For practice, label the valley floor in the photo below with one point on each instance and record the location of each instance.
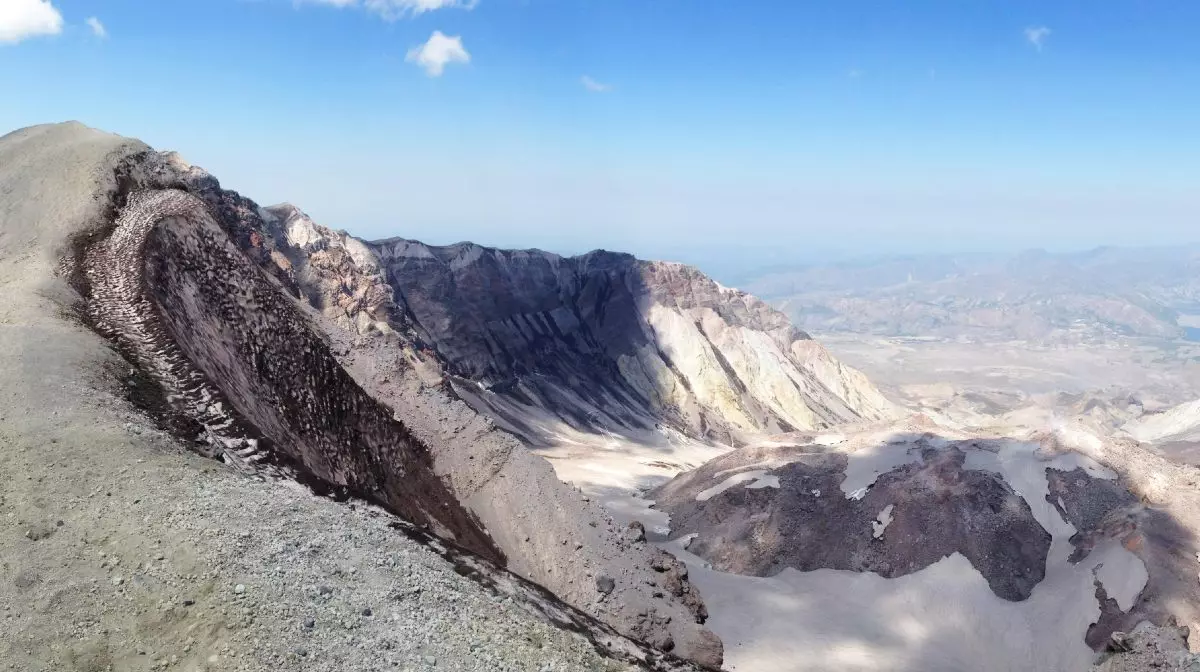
(1006, 374)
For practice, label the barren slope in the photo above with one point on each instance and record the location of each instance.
(219, 355)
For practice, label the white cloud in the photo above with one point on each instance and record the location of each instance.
(392, 9)
(437, 52)
(396, 9)
(97, 27)
(1037, 35)
(594, 86)
(20, 19)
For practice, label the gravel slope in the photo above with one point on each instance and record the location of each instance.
(549, 531)
(121, 550)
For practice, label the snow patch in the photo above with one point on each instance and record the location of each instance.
(881, 522)
(768, 481)
(829, 440)
(1122, 574)
(864, 466)
(759, 479)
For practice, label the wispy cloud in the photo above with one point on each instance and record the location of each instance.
(391, 10)
(21, 19)
(1037, 35)
(97, 28)
(594, 86)
(437, 52)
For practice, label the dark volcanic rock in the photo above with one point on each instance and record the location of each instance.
(675, 581)
(1100, 633)
(635, 532)
(605, 584)
(178, 294)
(1094, 506)
(936, 508)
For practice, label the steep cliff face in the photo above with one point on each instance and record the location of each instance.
(238, 334)
(605, 342)
(549, 532)
(237, 363)
(475, 347)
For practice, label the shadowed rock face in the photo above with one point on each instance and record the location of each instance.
(910, 518)
(1089, 504)
(608, 342)
(599, 342)
(235, 353)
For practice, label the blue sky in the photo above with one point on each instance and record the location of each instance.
(757, 131)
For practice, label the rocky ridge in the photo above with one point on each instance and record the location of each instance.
(601, 343)
(172, 270)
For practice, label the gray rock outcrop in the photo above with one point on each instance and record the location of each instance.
(1150, 647)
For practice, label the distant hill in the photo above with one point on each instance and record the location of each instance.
(1035, 295)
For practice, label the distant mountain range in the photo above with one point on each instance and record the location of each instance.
(1035, 295)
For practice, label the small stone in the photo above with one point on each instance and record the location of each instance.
(367, 612)
(1119, 642)
(309, 624)
(117, 581)
(430, 660)
(239, 589)
(605, 584)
